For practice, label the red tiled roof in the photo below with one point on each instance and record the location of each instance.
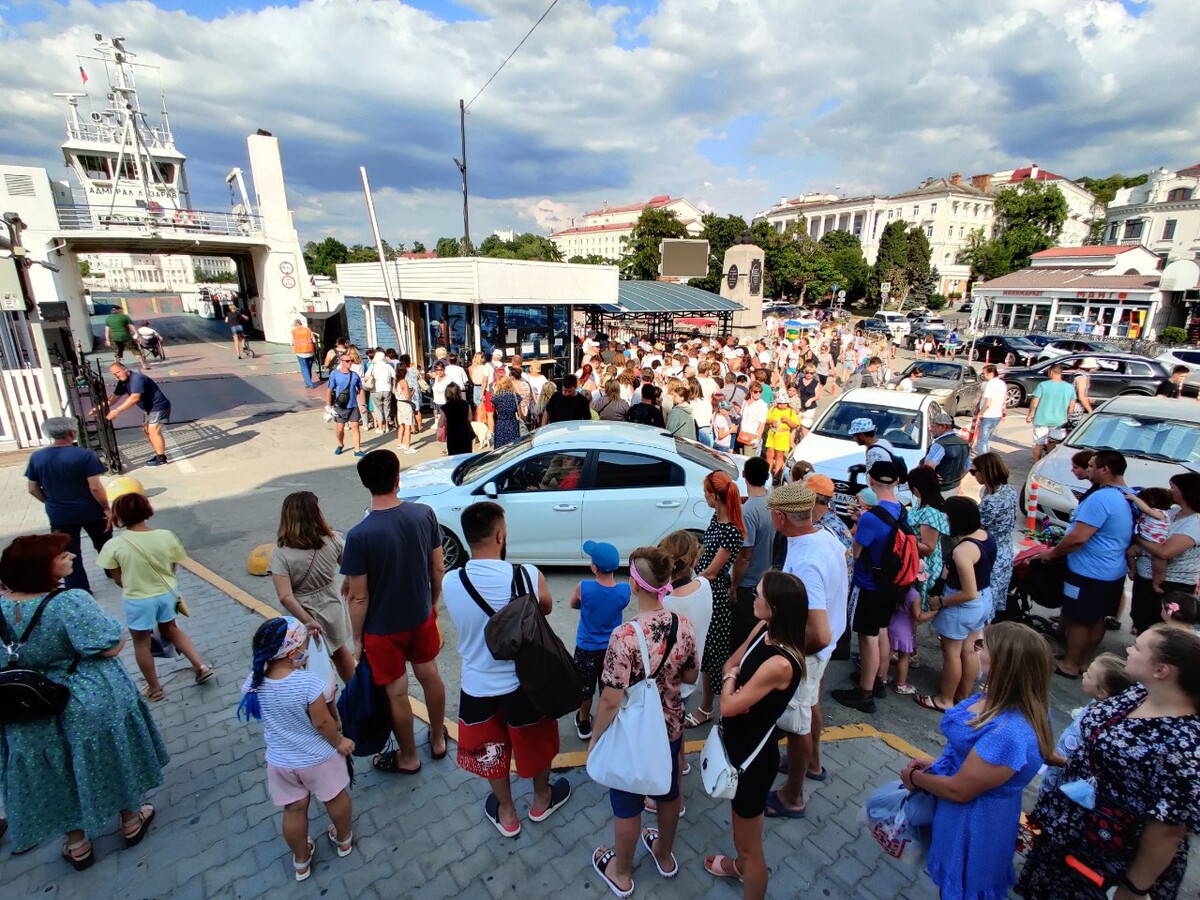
(1083, 279)
(1061, 252)
(589, 229)
(1020, 175)
(1190, 171)
(660, 200)
(428, 254)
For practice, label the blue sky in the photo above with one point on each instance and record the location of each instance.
(730, 103)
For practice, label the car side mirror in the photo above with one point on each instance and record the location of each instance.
(490, 491)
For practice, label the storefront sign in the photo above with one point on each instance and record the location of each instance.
(1021, 293)
(1101, 295)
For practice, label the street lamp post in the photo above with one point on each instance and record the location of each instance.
(20, 255)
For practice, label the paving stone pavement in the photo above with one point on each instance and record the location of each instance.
(217, 835)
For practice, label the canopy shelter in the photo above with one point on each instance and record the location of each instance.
(661, 310)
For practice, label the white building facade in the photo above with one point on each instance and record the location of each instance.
(1082, 206)
(153, 272)
(604, 230)
(946, 209)
(1162, 215)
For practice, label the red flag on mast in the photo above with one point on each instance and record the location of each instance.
(83, 75)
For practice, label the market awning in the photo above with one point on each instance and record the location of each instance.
(668, 298)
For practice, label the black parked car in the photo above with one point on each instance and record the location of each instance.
(1006, 350)
(1120, 374)
(941, 339)
(1064, 346)
(874, 326)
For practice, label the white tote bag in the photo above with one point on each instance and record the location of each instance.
(320, 664)
(633, 754)
(719, 775)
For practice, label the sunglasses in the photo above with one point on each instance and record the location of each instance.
(978, 644)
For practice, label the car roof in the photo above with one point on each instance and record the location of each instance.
(1099, 354)
(1152, 408)
(884, 397)
(596, 432)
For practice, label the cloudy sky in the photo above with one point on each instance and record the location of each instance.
(730, 103)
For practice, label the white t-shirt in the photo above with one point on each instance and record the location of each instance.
(292, 741)
(994, 390)
(905, 385)
(754, 415)
(457, 374)
(879, 451)
(696, 607)
(482, 674)
(536, 383)
(819, 560)
(384, 375)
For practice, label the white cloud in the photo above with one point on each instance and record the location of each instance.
(870, 97)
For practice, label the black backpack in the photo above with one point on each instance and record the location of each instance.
(26, 695)
(520, 632)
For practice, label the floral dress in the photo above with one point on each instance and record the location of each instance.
(998, 513)
(934, 563)
(505, 404)
(77, 770)
(1149, 767)
(718, 646)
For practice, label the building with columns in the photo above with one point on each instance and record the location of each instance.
(946, 209)
(602, 231)
(152, 272)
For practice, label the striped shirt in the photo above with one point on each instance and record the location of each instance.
(292, 741)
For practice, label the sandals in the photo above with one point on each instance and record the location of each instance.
(204, 673)
(71, 855)
(386, 762)
(445, 744)
(649, 838)
(927, 701)
(651, 807)
(491, 809)
(600, 860)
(155, 696)
(343, 848)
(777, 809)
(304, 869)
(560, 793)
(144, 816)
(715, 865)
(700, 717)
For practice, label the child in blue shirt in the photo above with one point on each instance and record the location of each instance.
(600, 604)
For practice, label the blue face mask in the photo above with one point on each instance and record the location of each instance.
(299, 661)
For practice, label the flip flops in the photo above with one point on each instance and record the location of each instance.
(560, 793)
(446, 744)
(777, 809)
(649, 837)
(600, 860)
(386, 762)
(927, 701)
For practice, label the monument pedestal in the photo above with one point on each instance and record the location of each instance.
(742, 282)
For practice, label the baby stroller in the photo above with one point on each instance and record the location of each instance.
(1034, 582)
(151, 343)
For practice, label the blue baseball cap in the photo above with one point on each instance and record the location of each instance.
(605, 557)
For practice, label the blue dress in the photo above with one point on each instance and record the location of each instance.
(102, 754)
(505, 405)
(971, 856)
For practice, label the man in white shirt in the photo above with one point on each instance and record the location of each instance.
(862, 432)
(456, 373)
(990, 408)
(702, 410)
(495, 717)
(817, 558)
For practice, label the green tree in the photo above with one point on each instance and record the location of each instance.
(891, 261)
(202, 277)
(640, 258)
(921, 278)
(85, 268)
(593, 259)
(1095, 235)
(448, 247)
(523, 246)
(839, 239)
(846, 254)
(1028, 218)
(360, 253)
(988, 259)
(418, 247)
(323, 258)
(1105, 189)
(721, 232)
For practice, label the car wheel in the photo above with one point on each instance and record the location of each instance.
(453, 553)
(1014, 396)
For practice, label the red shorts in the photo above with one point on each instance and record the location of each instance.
(390, 654)
(492, 730)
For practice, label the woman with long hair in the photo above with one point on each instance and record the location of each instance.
(70, 773)
(460, 437)
(505, 407)
(996, 742)
(478, 373)
(964, 606)
(756, 684)
(1140, 755)
(680, 421)
(671, 646)
(1181, 551)
(609, 406)
(406, 410)
(998, 509)
(304, 568)
(719, 547)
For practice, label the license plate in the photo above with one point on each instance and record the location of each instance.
(843, 499)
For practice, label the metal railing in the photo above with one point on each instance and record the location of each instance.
(164, 222)
(1135, 346)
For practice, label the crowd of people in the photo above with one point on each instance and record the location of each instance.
(745, 617)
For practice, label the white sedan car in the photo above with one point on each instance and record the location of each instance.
(629, 485)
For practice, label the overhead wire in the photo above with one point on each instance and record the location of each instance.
(514, 52)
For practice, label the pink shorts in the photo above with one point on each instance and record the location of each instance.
(325, 780)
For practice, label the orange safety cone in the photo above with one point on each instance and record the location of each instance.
(1031, 515)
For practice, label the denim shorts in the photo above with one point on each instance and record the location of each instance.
(628, 806)
(957, 622)
(147, 612)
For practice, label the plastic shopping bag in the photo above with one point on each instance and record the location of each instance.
(320, 664)
(899, 820)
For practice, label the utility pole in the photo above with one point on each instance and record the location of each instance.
(15, 226)
(468, 250)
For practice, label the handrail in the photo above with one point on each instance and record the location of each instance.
(139, 219)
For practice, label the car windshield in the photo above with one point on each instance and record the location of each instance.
(485, 463)
(1165, 440)
(1020, 343)
(712, 460)
(936, 370)
(902, 428)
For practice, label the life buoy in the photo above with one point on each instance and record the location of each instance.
(183, 217)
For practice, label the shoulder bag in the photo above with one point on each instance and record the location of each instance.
(634, 752)
(520, 632)
(181, 607)
(719, 775)
(26, 695)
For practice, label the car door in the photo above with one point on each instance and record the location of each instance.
(1107, 381)
(968, 389)
(542, 496)
(633, 499)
